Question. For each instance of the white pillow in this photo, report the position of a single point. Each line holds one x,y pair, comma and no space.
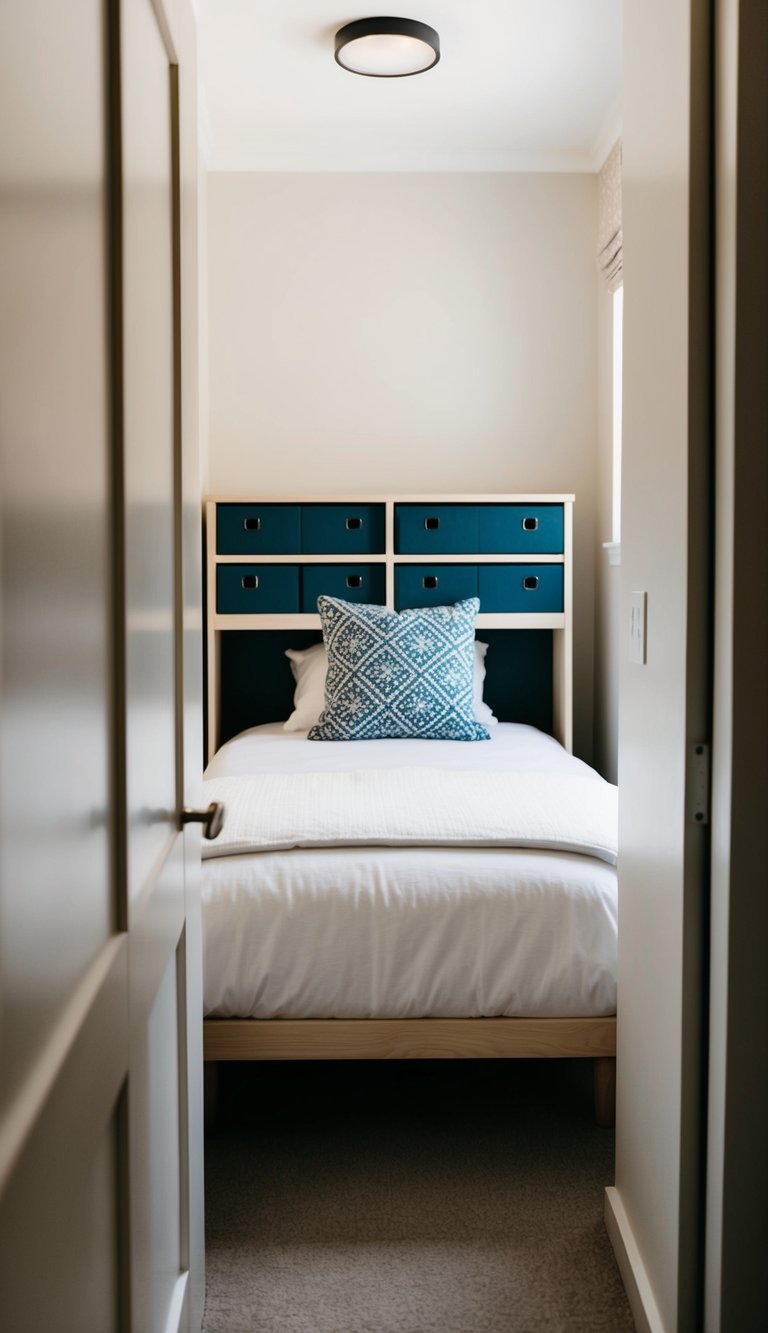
481,710
310,667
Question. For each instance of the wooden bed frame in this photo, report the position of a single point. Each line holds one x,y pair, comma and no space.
417,1039
413,1038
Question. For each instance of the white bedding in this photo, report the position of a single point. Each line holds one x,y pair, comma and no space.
407,931
415,807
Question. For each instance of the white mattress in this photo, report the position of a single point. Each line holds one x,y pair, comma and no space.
270,749
404,932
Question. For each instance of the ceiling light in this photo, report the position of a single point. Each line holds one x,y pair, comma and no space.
387,48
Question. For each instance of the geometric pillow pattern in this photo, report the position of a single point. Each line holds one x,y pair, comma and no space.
398,673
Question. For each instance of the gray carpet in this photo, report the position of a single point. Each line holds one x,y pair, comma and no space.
434,1197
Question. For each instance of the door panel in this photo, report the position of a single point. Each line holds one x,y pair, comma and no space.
68,1280
63,976
155,1160
61,1198
56,899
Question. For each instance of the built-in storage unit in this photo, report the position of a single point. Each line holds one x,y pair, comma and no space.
268,560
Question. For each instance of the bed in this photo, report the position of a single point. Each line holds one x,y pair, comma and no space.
404,933
373,899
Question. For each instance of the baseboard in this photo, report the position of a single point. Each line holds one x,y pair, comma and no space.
640,1295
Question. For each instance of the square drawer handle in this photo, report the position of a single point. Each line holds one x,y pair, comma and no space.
354,525
530,524
354,580
250,581
252,524
531,582
429,581
431,524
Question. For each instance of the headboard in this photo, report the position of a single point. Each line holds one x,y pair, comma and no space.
267,560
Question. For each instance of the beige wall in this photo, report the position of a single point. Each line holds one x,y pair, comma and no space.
409,332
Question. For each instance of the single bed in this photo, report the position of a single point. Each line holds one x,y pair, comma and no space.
471,929
402,899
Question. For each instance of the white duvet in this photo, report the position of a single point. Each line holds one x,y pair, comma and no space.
490,893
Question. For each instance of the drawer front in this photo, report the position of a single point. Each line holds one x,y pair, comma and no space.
519,529
355,583
258,529
439,529
257,589
342,529
434,585
520,588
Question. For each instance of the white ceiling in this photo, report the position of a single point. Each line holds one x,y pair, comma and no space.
522,85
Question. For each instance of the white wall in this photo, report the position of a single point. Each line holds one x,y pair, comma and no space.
413,333
655,1208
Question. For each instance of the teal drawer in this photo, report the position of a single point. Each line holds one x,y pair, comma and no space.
434,585
258,529
517,529
342,529
438,529
257,589
355,583
535,588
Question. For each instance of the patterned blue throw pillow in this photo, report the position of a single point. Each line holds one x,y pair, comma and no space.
398,673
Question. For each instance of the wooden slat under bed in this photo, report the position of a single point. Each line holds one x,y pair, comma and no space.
421,1039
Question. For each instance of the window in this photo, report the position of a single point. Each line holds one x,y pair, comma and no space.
613,546
618,325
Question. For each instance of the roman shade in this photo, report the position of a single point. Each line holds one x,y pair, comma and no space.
609,242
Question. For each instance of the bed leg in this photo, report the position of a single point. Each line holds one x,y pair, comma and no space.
210,1095
604,1086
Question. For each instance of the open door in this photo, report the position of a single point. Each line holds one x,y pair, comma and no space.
100,1034
161,855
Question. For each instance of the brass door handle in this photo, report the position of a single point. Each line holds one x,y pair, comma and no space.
211,819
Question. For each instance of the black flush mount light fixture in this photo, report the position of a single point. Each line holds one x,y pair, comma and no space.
387,48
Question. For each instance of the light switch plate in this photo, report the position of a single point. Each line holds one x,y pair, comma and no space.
638,616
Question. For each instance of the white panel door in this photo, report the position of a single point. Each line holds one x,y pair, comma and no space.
100,715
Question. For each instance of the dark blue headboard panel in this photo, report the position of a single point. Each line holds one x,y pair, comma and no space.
518,680
257,684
